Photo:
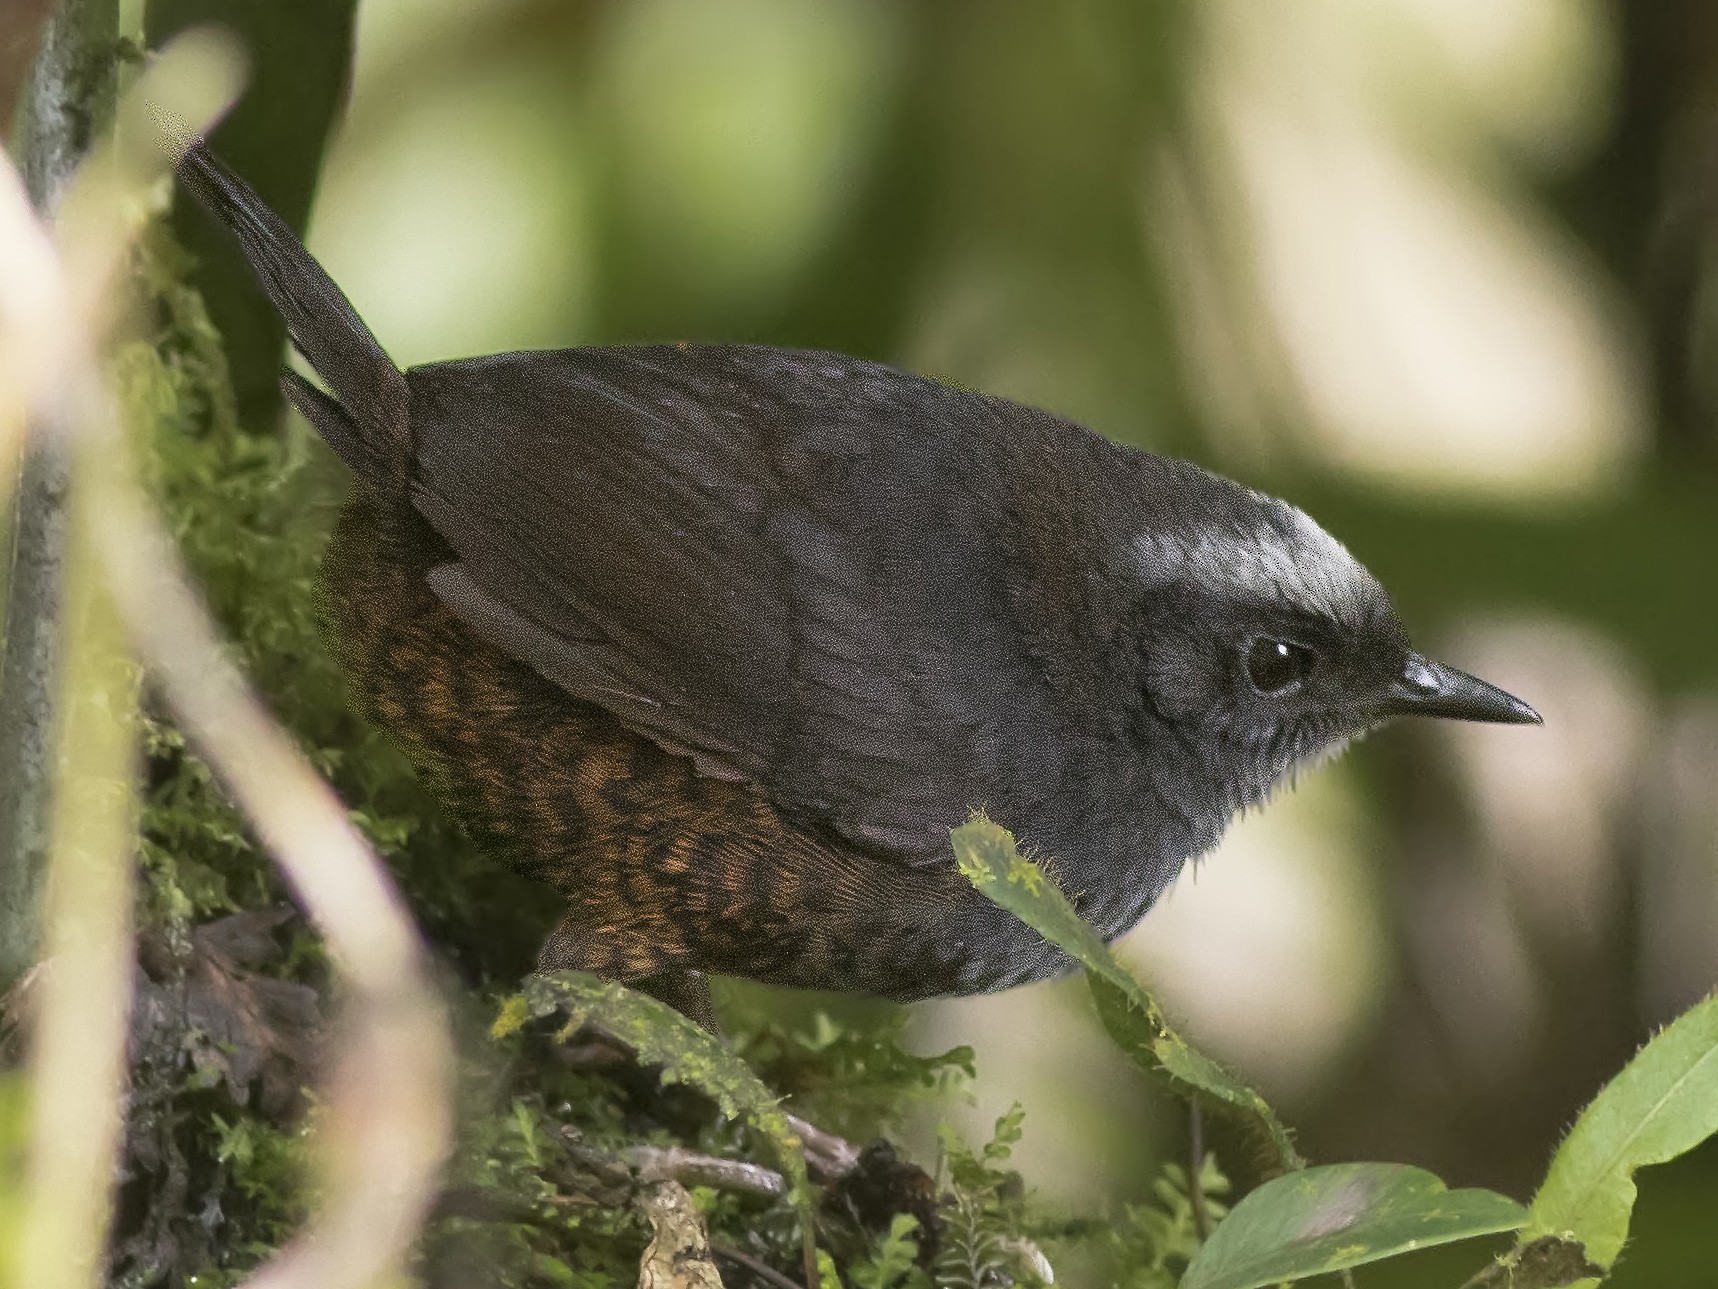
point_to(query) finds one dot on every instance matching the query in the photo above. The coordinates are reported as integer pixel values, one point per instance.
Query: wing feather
(763, 559)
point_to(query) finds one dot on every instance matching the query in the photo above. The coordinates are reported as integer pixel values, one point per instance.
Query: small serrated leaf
(990, 860)
(1663, 1104)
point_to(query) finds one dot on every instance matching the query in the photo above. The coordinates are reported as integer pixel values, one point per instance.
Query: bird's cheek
(1182, 693)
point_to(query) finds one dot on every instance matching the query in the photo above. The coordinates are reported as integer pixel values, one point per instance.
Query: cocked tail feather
(367, 420)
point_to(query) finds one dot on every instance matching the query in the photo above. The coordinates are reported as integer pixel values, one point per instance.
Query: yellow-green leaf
(993, 864)
(1663, 1104)
(512, 1016)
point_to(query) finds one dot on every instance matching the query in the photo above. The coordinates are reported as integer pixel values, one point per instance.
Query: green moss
(853, 1077)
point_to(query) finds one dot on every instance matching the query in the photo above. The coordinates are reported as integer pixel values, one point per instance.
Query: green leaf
(991, 862)
(687, 1053)
(894, 1258)
(511, 1018)
(1342, 1215)
(1663, 1104)
(983, 1174)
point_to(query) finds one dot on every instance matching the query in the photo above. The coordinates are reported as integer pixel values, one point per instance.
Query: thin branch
(1544, 1263)
(68, 98)
(29, 681)
(1196, 1148)
(829, 1157)
(762, 1270)
(671, 1163)
(623, 1171)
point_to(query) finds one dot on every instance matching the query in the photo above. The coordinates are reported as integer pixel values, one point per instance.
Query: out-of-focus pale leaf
(991, 862)
(1325, 1219)
(1663, 1104)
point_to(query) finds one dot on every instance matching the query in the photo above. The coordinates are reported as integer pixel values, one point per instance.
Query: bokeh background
(1438, 271)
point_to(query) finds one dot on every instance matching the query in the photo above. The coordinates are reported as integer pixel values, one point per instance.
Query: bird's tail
(366, 420)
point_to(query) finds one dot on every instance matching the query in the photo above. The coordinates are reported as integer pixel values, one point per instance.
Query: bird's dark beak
(1427, 689)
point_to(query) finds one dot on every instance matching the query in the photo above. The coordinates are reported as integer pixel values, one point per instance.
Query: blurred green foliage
(1151, 1244)
(855, 1080)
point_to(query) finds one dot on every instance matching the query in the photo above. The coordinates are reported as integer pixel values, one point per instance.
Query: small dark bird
(719, 641)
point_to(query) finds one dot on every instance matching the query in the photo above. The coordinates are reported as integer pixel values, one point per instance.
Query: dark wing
(781, 564)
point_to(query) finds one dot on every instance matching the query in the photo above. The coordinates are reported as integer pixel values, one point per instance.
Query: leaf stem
(1196, 1148)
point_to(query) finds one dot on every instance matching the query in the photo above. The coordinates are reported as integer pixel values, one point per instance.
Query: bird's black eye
(1276, 666)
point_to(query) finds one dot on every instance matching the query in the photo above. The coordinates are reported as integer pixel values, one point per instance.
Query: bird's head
(1266, 643)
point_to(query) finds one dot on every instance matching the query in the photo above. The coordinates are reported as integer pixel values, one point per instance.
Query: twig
(671, 1163)
(826, 1155)
(762, 1270)
(1196, 1188)
(29, 680)
(635, 1166)
(597, 1054)
(480, 1204)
